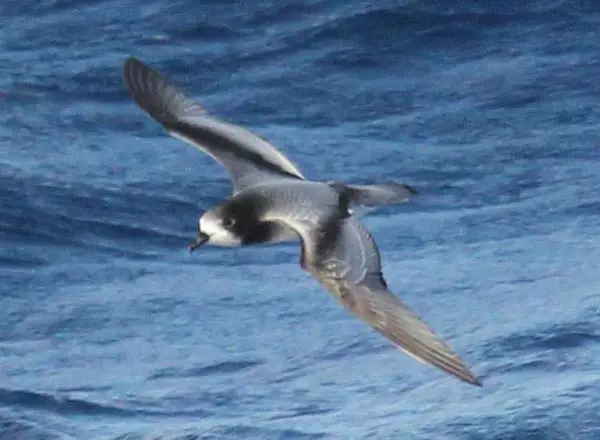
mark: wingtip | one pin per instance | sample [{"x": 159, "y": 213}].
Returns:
[
  {"x": 155, "y": 93},
  {"x": 129, "y": 59},
  {"x": 129, "y": 63},
  {"x": 473, "y": 380},
  {"x": 131, "y": 69},
  {"x": 462, "y": 372}
]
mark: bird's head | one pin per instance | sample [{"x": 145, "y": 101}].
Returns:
[{"x": 217, "y": 226}]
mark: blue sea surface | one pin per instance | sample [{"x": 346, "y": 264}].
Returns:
[{"x": 110, "y": 330}]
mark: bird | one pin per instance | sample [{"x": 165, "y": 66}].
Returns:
[{"x": 272, "y": 201}]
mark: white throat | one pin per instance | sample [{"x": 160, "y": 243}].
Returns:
[{"x": 212, "y": 226}]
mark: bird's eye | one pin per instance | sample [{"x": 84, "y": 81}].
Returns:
[{"x": 228, "y": 222}]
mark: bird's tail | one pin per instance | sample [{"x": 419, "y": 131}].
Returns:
[{"x": 387, "y": 193}]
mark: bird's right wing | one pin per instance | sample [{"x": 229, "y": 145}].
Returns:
[
  {"x": 248, "y": 158},
  {"x": 376, "y": 306},
  {"x": 350, "y": 270}
]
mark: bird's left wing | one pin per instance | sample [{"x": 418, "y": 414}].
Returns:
[{"x": 248, "y": 158}]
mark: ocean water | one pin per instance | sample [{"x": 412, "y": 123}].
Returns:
[{"x": 109, "y": 329}]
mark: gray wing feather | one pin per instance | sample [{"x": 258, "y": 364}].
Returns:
[
  {"x": 375, "y": 305},
  {"x": 248, "y": 158},
  {"x": 354, "y": 256},
  {"x": 351, "y": 271}
]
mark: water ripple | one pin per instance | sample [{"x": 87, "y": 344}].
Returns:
[{"x": 227, "y": 367}]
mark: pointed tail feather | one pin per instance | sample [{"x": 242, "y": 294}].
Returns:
[{"x": 387, "y": 193}]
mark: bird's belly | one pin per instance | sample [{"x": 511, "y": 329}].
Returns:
[{"x": 282, "y": 233}]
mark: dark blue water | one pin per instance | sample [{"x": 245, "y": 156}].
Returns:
[{"x": 110, "y": 330}]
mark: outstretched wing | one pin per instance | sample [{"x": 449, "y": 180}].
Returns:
[
  {"x": 247, "y": 158},
  {"x": 342, "y": 255},
  {"x": 351, "y": 271}
]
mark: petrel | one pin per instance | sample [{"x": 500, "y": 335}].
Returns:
[{"x": 272, "y": 202}]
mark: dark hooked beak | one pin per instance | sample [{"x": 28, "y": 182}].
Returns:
[{"x": 200, "y": 239}]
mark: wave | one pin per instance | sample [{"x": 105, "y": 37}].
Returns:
[
  {"x": 369, "y": 33},
  {"x": 70, "y": 406},
  {"x": 130, "y": 222},
  {"x": 539, "y": 350},
  {"x": 568, "y": 335},
  {"x": 230, "y": 432},
  {"x": 15, "y": 427},
  {"x": 60, "y": 405},
  {"x": 227, "y": 367}
]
